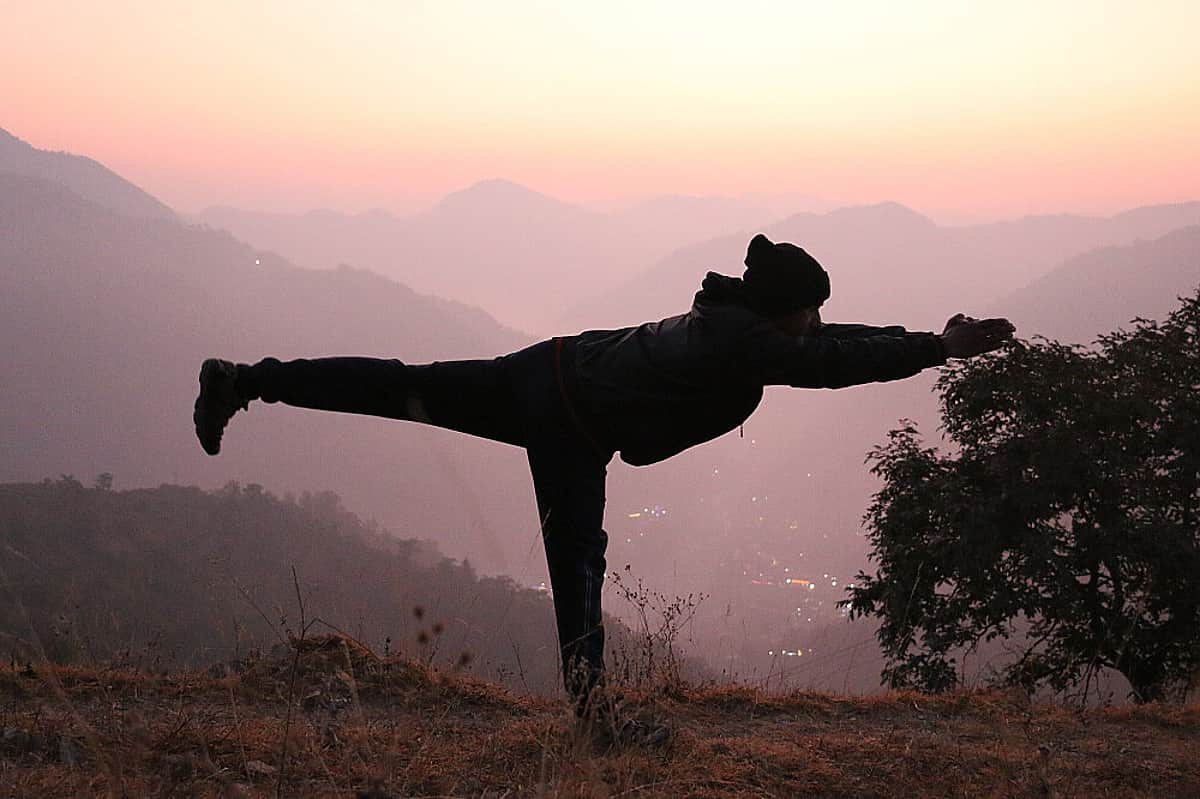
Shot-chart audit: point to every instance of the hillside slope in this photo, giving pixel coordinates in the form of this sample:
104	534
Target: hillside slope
1142	279
106	319
177	576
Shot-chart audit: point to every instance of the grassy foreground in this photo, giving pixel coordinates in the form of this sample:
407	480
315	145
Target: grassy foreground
332	719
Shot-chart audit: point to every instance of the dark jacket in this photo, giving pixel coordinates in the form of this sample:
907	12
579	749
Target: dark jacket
654	390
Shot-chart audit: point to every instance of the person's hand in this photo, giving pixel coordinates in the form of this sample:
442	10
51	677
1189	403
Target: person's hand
965	337
958	319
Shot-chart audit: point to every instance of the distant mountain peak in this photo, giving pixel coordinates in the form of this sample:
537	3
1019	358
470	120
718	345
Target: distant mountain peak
888	210
499	185
487	194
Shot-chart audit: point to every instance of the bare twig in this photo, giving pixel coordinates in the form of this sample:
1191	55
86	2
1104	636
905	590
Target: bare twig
250	601
297	644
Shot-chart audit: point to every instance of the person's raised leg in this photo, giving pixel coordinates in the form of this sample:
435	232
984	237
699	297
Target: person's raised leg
473	397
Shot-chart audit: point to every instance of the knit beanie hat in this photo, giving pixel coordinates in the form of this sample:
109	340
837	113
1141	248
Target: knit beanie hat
781	278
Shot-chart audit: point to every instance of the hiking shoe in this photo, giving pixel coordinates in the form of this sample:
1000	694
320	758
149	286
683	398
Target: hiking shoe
609	732
636	732
217	403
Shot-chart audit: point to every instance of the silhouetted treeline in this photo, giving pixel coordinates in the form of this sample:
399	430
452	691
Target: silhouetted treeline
177	576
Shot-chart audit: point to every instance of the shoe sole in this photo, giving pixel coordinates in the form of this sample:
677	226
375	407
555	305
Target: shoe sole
209	370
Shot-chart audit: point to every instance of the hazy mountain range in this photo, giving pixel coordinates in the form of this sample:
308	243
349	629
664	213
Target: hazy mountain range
887	262
549	267
107	312
496	244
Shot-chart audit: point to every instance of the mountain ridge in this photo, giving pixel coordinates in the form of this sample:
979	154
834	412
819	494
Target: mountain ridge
85	176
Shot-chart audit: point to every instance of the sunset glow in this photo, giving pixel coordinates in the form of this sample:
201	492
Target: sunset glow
973	109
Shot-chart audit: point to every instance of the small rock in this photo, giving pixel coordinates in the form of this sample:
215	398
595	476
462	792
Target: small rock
220	670
68	752
14	739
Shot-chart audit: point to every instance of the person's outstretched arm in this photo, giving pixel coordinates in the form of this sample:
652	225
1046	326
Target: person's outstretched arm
836	330
821	361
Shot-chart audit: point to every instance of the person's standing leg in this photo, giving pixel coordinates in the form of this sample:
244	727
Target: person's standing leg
569	482
568	478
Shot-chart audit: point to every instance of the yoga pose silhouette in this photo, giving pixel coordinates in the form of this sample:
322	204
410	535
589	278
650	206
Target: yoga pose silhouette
647	392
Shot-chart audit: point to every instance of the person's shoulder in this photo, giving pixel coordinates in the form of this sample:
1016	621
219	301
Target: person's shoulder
721	304
721	289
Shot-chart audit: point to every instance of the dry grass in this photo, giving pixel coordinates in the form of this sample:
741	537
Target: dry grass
371	727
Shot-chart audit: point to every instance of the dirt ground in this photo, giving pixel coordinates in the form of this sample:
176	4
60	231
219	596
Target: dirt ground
332	719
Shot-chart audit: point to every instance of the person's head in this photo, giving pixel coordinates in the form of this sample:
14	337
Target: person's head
785	284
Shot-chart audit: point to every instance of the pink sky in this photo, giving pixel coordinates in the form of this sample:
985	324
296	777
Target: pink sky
965	109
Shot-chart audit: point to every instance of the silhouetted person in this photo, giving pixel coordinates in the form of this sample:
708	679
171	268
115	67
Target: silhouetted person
648	392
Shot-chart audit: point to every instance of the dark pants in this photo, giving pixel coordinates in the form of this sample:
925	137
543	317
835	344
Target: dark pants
516	399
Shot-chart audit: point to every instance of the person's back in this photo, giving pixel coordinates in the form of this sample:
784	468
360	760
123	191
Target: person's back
654	390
